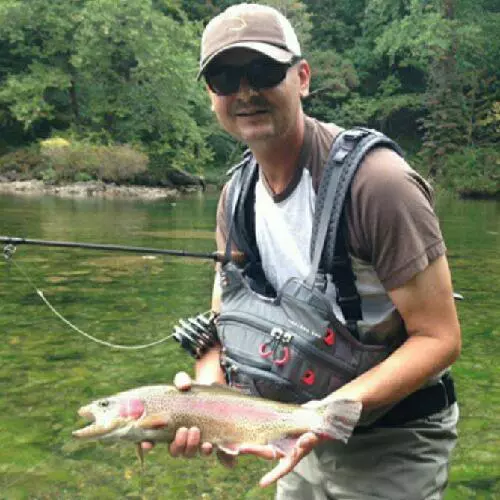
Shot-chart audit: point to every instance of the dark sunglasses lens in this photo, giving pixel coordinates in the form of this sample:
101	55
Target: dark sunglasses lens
266	74
261	74
224	80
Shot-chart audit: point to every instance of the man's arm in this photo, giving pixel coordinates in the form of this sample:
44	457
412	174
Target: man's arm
208	369
427	307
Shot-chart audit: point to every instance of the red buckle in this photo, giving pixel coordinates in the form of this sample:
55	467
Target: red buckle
329	338
284	359
309	377
264	353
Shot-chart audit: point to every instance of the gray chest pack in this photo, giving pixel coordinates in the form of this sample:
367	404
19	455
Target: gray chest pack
288	345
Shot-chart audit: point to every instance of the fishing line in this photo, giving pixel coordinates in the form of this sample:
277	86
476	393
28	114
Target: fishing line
9	251
94	339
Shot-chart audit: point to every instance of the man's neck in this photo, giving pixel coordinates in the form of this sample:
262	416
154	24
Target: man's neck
278	160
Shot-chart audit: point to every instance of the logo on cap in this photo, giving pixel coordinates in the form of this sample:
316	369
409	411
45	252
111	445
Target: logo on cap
240	24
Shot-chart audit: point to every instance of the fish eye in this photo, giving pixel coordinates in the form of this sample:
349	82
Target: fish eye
104	403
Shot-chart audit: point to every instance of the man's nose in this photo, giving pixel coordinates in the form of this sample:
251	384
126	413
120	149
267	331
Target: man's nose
245	89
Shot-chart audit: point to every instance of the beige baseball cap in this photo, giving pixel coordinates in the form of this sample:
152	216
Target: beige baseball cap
252	26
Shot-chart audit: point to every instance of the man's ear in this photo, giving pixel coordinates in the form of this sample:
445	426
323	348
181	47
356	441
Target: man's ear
304	71
212	98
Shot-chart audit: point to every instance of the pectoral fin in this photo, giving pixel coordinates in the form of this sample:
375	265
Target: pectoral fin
226	459
152	422
140	455
231	449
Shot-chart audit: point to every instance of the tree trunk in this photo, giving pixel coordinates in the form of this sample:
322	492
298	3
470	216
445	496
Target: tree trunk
446	124
75	109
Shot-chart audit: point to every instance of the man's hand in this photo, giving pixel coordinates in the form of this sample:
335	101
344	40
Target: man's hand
187	441
287	462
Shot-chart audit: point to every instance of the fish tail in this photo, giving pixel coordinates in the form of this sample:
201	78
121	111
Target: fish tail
338	419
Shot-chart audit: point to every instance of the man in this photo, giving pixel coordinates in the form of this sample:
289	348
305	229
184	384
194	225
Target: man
256	77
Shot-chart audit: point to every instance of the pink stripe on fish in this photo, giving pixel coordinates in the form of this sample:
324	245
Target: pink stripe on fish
236	410
131	408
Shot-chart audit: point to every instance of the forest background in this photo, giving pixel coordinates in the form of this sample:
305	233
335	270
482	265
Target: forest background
106	89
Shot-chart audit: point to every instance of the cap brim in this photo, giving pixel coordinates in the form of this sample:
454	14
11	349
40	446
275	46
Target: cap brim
276	53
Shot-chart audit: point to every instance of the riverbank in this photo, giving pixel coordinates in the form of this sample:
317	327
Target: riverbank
99	189
93	189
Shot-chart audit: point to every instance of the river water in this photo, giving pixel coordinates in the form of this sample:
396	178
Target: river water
47	370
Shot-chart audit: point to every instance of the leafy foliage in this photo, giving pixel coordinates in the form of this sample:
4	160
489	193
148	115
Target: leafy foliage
25	93
473	172
20	164
77	161
59	161
123	72
110	70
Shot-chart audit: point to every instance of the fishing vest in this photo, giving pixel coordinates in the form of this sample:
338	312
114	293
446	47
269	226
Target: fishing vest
288	344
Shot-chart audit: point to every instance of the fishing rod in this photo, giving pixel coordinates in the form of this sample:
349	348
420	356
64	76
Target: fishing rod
196	326
238	257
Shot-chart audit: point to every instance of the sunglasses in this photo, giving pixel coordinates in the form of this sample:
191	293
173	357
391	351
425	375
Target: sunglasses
262	73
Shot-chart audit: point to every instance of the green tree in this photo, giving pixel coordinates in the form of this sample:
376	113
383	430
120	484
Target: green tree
117	70
137	71
37	77
441	38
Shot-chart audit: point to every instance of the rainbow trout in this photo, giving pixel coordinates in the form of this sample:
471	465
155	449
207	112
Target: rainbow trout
226	417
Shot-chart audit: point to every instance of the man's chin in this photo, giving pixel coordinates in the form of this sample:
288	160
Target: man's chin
255	134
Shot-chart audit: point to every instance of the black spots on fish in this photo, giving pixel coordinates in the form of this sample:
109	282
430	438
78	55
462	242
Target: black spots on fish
103	403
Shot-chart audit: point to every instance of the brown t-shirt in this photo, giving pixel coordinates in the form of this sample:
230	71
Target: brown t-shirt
391	223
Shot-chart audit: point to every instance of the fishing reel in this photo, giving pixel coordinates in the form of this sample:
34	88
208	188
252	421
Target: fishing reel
198	334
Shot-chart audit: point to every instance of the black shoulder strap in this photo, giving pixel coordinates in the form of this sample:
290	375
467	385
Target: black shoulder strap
346	155
240	216
240	228
328	240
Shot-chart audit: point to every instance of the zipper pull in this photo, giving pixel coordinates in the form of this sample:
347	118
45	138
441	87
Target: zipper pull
282	350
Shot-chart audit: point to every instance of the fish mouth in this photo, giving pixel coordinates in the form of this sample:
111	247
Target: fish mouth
94	430
86	413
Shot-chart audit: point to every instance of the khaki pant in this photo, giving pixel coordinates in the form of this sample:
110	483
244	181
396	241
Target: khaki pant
400	463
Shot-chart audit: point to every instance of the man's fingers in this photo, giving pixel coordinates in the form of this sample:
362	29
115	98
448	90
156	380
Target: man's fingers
308	441
147	445
206	449
267	452
192	442
184	441
182	381
187	443
304	445
284	466
178	445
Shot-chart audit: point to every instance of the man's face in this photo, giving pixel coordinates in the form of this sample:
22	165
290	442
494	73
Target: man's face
253	116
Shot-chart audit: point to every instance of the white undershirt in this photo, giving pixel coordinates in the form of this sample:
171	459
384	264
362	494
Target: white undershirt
283	230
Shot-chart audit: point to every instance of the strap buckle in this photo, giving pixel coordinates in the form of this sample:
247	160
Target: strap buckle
445	393
355	134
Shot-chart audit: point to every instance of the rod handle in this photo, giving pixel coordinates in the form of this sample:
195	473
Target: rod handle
237	257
